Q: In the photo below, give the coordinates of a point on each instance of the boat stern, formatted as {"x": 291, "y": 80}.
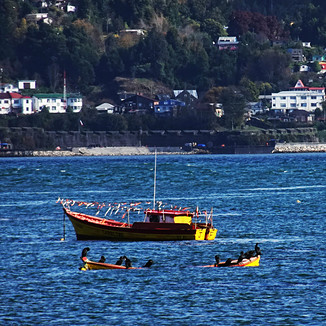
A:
{"x": 211, "y": 234}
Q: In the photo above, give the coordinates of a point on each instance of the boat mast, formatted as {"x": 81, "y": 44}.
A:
{"x": 154, "y": 181}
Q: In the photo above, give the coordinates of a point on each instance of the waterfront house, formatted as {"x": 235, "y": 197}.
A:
{"x": 189, "y": 97}
{"x": 21, "y": 104}
{"x": 299, "y": 97}
{"x": 5, "y": 103}
{"x": 168, "y": 107}
{"x": 105, "y": 108}
{"x": 56, "y": 104}
{"x": 138, "y": 104}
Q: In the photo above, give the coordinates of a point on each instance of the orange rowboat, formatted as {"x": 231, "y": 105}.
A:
{"x": 93, "y": 265}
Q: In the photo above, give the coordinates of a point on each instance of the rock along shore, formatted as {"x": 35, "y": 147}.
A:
{"x": 113, "y": 151}
{"x": 300, "y": 148}
{"x": 132, "y": 151}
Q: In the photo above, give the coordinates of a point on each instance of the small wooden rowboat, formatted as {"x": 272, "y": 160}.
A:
{"x": 159, "y": 225}
{"x": 93, "y": 265}
{"x": 252, "y": 262}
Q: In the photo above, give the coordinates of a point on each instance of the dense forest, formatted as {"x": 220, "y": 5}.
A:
{"x": 178, "y": 49}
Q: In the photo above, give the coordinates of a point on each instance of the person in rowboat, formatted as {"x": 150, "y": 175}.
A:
{"x": 120, "y": 261}
{"x": 149, "y": 264}
{"x": 257, "y": 250}
{"x": 102, "y": 260}
{"x": 84, "y": 252}
{"x": 127, "y": 262}
{"x": 241, "y": 257}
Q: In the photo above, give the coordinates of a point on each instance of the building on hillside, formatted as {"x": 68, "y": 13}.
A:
{"x": 8, "y": 88}
{"x": 322, "y": 67}
{"x": 298, "y": 97}
{"x": 5, "y": 103}
{"x": 189, "y": 97}
{"x": 167, "y": 107}
{"x": 306, "y": 44}
{"x": 320, "y": 57}
{"x": 26, "y": 84}
{"x": 15, "y": 103}
{"x": 138, "y": 104}
{"x": 21, "y": 104}
{"x": 227, "y": 43}
{"x": 297, "y": 55}
{"x": 39, "y": 17}
{"x": 135, "y": 32}
{"x": 302, "y": 116}
{"x": 56, "y": 104}
{"x": 105, "y": 108}
{"x": 207, "y": 108}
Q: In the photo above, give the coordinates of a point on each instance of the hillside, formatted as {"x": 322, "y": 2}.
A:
{"x": 177, "y": 47}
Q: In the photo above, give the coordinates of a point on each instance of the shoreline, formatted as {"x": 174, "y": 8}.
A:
{"x": 281, "y": 148}
{"x": 142, "y": 150}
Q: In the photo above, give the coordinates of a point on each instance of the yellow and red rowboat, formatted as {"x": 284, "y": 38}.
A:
{"x": 252, "y": 262}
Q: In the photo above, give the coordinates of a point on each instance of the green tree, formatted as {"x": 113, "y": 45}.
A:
{"x": 233, "y": 104}
{"x": 8, "y": 19}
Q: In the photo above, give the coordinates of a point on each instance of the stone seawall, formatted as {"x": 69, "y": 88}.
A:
{"x": 111, "y": 151}
{"x": 142, "y": 150}
{"x": 299, "y": 148}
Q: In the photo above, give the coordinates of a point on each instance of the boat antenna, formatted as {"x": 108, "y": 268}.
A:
{"x": 154, "y": 180}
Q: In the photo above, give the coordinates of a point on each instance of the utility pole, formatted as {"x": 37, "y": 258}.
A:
{"x": 64, "y": 91}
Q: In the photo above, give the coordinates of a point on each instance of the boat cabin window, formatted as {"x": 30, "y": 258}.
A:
{"x": 154, "y": 218}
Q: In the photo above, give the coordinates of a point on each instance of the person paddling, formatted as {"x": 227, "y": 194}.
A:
{"x": 84, "y": 253}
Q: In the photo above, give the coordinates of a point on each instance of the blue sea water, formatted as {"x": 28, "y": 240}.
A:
{"x": 276, "y": 200}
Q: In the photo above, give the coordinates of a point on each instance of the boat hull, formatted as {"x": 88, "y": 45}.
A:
{"x": 93, "y": 228}
{"x": 93, "y": 265}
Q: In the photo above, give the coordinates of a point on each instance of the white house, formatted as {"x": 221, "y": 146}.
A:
{"x": 105, "y": 108}
{"x": 26, "y": 84}
{"x": 75, "y": 101}
{"x": 8, "y": 88}
{"x": 15, "y": 102}
{"x": 299, "y": 97}
{"x": 227, "y": 43}
{"x": 56, "y": 104}
{"x": 40, "y": 16}
{"x": 5, "y": 103}
{"x": 21, "y": 104}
